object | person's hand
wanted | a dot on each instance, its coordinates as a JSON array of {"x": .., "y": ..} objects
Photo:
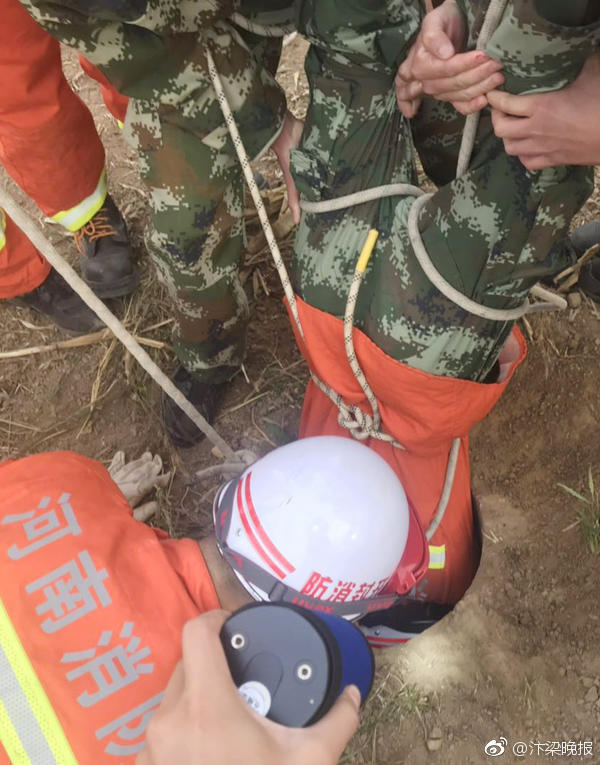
[
  {"x": 435, "y": 67},
  {"x": 288, "y": 139},
  {"x": 138, "y": 478},
  {"x": 552, "y": 129},
  {"x": 203, "y": 718}
]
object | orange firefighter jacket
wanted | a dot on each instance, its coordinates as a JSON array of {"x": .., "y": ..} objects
[{"x": 92, "y": 604}]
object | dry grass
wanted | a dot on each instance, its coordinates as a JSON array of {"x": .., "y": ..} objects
[
  {"x": 391, "y": 700},
  {"x": 587, "y": 512}
]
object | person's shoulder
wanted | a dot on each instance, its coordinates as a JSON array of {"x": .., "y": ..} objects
[{"x": 49, "y": 464}]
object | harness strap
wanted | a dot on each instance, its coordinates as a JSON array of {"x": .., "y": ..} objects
[{"x": 276, "y": 590}]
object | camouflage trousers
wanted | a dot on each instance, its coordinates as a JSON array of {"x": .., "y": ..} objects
[
  {"x": 153, "y": 52},
  {"x": 196, "y": 236},
  {"x": 492, "y": 233}
]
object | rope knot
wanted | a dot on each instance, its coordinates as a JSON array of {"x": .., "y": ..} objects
[{"x": 360, "y": 425}]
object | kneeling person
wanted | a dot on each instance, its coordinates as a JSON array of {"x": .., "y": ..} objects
[{"x": 92, "y": 603}]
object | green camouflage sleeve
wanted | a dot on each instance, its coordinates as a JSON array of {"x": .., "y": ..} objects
[
  {"x": 157, "y": 57},
  {"x": 160, "y": 16},
  {"x": 515, "y": 222},
  {"x": 543, "y": 44}
]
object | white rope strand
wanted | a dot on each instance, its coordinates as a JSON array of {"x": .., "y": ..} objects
[
  {"x": 254, "y": 190},
  {"x": 349, "y": 346},
  {"x": 446, "y": 490},
  {"x": 494, "y": 15},
  {"x": 438, "y": 281},
  {"x": 360, "y": 197}
]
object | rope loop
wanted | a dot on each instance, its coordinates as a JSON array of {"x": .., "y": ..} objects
[
  {"x": 358, "y": 423},
  {"x": 351, "y": 417},
  {"x": 361, "y": 425}
]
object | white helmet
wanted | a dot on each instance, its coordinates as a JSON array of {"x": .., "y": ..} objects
[{"x": 322, "y": 522}]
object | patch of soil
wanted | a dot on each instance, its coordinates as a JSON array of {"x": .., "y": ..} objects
[{"x": 518, "y": 658}]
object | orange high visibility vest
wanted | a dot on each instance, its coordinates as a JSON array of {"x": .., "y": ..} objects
[
  {"x": 423, "y": 412},
  {"x": 92, "y": 604}
]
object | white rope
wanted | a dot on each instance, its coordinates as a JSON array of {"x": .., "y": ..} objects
[
  {"x": 361, "y": 425},
  {"x": 357, "y": 279},
  {"x": 74, "y": 281},
  {"x": 551, "y": 302},
  {"x": 254, "y": 190},
  {"x": 360, "y": 197},
  {"x": 446, "y": 490},
  {"x": 494, "y": 15},
  {"x": 450, "y": 292}
]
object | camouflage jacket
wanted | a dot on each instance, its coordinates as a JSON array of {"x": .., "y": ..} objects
[{"x": 153, "y": 51}]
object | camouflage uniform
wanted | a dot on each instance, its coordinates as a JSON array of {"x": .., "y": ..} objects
[
  {"x": 154, "y": 52},
  {"x": 492, "y": 233}
]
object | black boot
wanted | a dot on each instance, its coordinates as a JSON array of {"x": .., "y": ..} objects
[
  {"x": 582, "y": 239},
  {"x": 205, "y": 396},
  {"x": 56, "y": 300},
  {"x": 106, "y": 263}
]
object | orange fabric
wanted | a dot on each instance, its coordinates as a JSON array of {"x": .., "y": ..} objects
[
  {"x": 48, "y": 141},
  {"x": 154, "y": 583},
  {"x": 113, "y": 100},
  {"x": 425, "y": 413},
  {"x": 22, "y": 268}
]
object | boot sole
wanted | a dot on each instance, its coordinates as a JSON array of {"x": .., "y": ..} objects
[
  {"x": 124, "y": 286},
  {"x": 179, "y": 443},
  {"x": 588, "y": 284},
  {"x": 175, "y": 436},
  {"x": 67, "y": 330}
]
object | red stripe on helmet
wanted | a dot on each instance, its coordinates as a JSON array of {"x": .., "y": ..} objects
[
  {"x": 251, "y": 536},
  {"x": 384, "y": 642},
  {"x": 261, "y": 532}
]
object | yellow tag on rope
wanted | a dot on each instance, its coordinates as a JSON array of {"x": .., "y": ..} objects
[{"x": 367, "y": 251}]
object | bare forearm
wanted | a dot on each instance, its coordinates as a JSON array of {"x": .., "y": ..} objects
[{"x": 553, "y": 129}]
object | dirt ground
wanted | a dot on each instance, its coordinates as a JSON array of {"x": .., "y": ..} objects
[{"x": 518, "y": 659}]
